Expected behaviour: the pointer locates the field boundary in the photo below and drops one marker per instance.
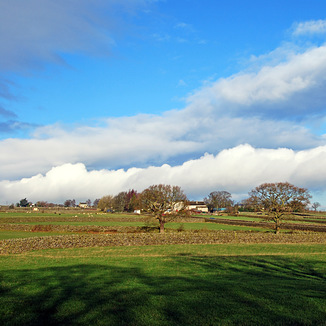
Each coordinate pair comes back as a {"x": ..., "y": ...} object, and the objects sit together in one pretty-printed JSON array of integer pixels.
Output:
[
  {"x": 284, "y": 225},
  {"x": 13, "y": 246}
]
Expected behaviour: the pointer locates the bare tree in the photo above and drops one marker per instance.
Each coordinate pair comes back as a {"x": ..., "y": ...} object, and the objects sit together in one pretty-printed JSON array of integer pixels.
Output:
[
  {"x": 126, "y": 201},
  {"x": 132, "y": 200},
  {"x": 119, "y": 201},
  {"x": 218, "y": 199},
  {"x": 105, "y": 203},
  {"x": 315, "y": 205},
  {"x": 70, "y": 203},
  {"x": 95, "y": 202},
  {"x": 164, "y": 201},
  {"x": 279, "y": 199},
  {"x": 41, "y": 203}
]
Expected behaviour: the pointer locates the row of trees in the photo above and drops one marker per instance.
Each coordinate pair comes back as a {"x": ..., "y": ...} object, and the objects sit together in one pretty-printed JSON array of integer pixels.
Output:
[
  {"x": 67, "y": 203},
  {"x": 166, "y": 201},
  {"x": 125, "y": 201},
  {"x": 276, "y": 199}
]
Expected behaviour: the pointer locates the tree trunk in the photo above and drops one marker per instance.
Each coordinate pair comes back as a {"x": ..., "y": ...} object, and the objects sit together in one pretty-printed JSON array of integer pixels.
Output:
[
  {"x": 161, "y": 227},
  {"x": 277, "y": 226}
]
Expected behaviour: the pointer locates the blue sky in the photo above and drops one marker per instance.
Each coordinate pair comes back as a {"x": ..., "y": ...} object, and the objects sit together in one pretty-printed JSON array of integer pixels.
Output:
[{"x": 209, "y": 95}]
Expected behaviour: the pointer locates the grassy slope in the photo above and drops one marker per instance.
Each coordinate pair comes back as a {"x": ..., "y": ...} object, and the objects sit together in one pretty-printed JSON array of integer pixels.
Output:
[
  {"x": 24, "y": 234},
  {"x": 35, "y": 218},
  {"x": 257, "y": 284},
  {"x": 7, "y": 234},
  {"x": 288, "y": 219},
  {"x": 62, "y": 214}
]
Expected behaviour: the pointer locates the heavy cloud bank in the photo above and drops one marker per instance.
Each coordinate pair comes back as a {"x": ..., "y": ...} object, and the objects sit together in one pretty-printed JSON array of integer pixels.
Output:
[
  {"x": 280, "y": 105},
  {"x": 237, "y": 170}
]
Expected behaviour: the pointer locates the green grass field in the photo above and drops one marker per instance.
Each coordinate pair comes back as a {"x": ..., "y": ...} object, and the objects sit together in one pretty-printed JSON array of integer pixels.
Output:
[
  {"x": 220, "y": 284},
  {"x": 101, "y": 220},
  {"x": 7, "y": 234},
  {"x": 256, "y": 284},
  {"x": 29, "y": 213},
  {"x": 258, "y": 218}
]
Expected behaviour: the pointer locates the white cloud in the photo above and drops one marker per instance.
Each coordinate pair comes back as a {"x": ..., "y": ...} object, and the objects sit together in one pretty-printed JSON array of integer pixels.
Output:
[
  {"x": 294, "y": 87},
  {"x": 143, "y": 140},
  {"x": 262, "y": 108},
  {"x": 310, "y": 27},
  {"x": 39, "y": 31},
  {"x": 237, "y": 170},
  {"x": 182, "y": 83},
  {"x": 183, "y": 25},
  {"x": 35, "y": 33}
]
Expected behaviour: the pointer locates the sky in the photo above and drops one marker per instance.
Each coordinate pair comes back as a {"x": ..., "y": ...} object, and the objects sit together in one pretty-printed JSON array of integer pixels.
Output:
[{"x": 103, "y": 96}]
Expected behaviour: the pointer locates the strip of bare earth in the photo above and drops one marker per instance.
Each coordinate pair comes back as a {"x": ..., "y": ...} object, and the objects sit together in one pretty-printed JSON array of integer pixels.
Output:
[
  {"x": 12, "y": 246},
  {"x": 287, "y": 226}
]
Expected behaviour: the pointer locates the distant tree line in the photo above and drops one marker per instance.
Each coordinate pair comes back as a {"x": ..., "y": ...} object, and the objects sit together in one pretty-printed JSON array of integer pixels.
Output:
[{"x": 166, "y": 202}]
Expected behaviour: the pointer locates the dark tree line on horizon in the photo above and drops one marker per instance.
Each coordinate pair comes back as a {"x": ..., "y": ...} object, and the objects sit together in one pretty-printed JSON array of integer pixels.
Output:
[{"x": 166, "y": 201}]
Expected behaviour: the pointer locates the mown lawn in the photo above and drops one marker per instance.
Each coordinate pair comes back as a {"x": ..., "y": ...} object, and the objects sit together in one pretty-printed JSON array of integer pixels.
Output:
[{"x": 256, "y": 284}]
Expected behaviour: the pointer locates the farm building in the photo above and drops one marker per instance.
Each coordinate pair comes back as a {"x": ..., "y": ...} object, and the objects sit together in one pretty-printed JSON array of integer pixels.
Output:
[
  {"x": 83, "y": 205},
  {"x": 199, "y": 206}
]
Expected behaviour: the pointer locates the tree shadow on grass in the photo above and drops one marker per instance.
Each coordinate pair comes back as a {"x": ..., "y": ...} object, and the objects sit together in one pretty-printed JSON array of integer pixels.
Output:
[{"x": 181, "y": 290}]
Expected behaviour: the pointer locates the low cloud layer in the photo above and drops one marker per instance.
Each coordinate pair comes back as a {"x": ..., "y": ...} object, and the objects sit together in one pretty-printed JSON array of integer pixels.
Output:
[
  {"x": 145, "y": 140},
  {"x": 237, "y": 170}
]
